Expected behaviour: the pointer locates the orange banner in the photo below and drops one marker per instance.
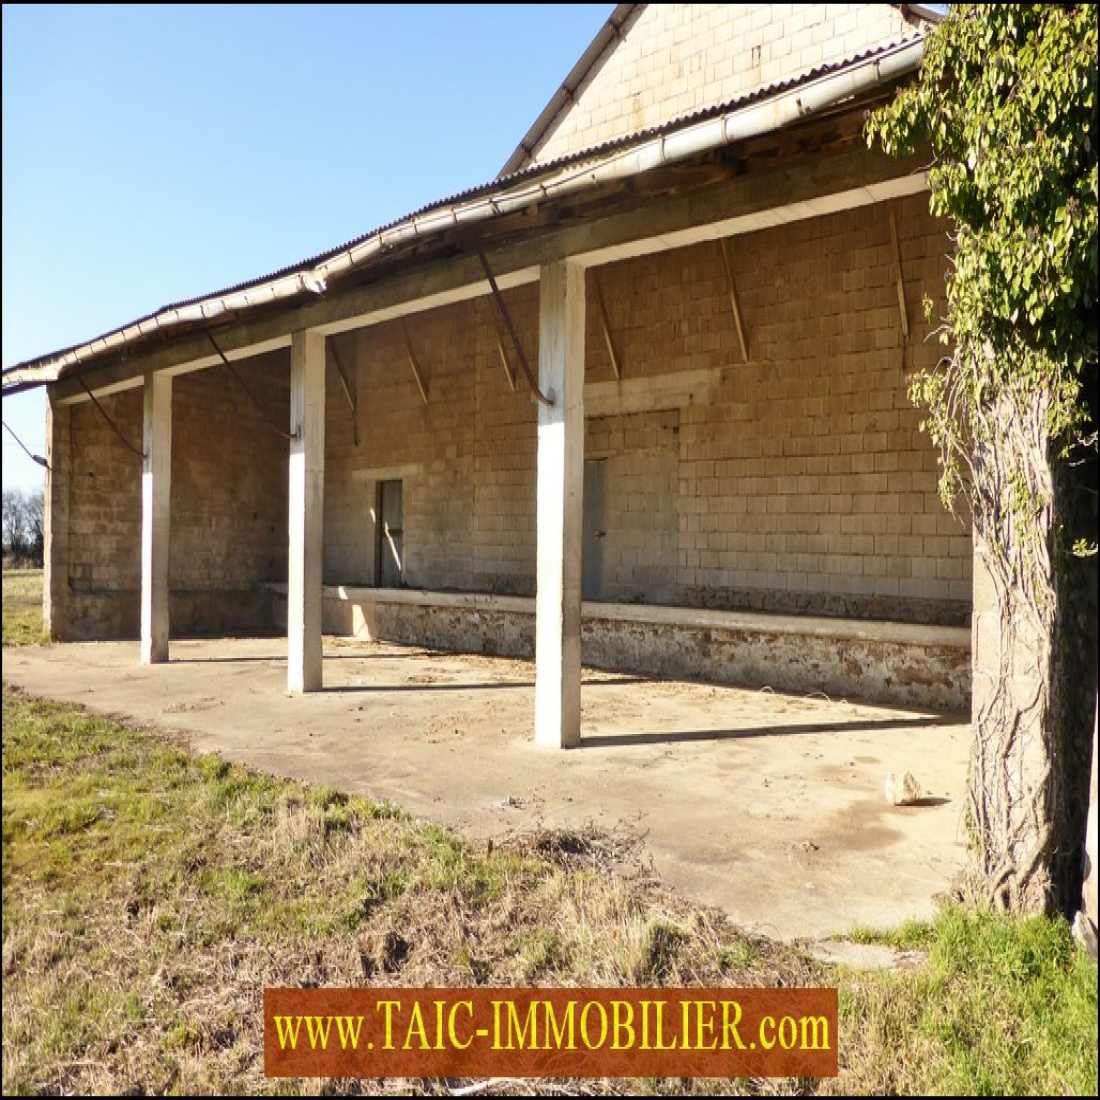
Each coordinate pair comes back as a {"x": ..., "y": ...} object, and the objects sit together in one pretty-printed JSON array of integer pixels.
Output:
[{"x": 550, "y": 1032}]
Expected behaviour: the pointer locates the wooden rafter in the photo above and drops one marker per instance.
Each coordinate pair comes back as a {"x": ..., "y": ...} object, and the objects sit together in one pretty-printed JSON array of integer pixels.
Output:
[
  {"x": 348, "y": 392},
  {"x": 413, "y": 363},
  {"x": 612, "y": 353},
  {"x": 725, "y": 248},
  {"x": 902, "y": 308}
]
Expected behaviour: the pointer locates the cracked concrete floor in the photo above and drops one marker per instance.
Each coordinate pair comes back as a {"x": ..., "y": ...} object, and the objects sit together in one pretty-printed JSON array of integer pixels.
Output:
[{"x": 768, "y": 806}]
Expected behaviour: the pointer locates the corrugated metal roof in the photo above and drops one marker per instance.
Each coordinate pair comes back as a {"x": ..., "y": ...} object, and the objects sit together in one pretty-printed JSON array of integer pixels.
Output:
[
  {"x": 500, "y": 184},
  {"x": 607, "y": 36}
]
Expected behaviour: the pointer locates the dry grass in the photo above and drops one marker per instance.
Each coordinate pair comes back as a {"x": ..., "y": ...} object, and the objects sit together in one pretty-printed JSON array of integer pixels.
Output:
[{"x": 150, "y": 895}]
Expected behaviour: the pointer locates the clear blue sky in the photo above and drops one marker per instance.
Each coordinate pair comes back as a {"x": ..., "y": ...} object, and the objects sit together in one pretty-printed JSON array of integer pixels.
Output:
[{"x": 156, "y": 153}]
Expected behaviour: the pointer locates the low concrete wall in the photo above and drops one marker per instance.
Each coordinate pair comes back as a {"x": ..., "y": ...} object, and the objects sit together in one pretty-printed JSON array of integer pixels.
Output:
[
  {"x": 98, "y": 615},
  {"x": 881, "y": 662}
]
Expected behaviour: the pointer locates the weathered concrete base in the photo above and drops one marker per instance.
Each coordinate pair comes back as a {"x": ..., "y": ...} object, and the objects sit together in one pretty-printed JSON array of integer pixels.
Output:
[
  {"x": 111, "y": 616},
  {"x": 891, "y": 663}
]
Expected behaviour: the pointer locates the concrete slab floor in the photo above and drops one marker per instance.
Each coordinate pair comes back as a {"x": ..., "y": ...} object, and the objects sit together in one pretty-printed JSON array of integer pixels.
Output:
[{"x": 768, "y": 806}]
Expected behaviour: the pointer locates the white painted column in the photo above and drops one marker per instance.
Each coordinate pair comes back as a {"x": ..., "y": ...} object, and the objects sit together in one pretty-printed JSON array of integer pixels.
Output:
[
  {"x": 55, "y": 588},
  {"x": 156, "y": 498},
  {"x": 306, "y": 507},
  {"x": 560, "y": 503}
]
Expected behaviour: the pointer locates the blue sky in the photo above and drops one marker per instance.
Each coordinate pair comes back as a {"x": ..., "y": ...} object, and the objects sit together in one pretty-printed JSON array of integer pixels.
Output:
[{"x": 156, "y": 153}]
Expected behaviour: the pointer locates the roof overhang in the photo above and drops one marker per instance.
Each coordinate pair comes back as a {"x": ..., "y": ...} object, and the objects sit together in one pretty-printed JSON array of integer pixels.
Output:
[{"x": 477, "y": 210}]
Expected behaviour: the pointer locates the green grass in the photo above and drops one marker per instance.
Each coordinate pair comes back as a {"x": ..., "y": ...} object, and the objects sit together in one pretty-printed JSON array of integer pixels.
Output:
[
  {"x": 23, "y": 608},
  {"x": 1003, "y": 1007}
]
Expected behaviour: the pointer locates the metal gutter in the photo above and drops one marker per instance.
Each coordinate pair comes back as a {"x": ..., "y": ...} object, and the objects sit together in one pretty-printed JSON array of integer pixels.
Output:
[{"x": 662, "y": 148}]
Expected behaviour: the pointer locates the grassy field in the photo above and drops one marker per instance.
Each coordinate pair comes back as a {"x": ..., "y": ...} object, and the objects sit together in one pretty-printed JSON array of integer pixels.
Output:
[
  {"x": 150, "y": 894},
  {"x": 23, "y": 608}
]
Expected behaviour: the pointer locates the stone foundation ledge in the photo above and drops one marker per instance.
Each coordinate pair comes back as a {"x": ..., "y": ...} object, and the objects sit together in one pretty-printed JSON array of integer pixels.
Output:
[{"x": 897, "y": 664}]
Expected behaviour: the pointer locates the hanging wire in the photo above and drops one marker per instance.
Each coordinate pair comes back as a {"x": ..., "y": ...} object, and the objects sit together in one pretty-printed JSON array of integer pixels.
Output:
[
  {"x": 251, "y": 396},
  {"x": 103, "y": 413},
  {"x": 34, "y": 458}
]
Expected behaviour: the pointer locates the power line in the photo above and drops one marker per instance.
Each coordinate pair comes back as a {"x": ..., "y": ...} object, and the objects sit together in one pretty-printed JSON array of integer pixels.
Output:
[{"x": 34, "y": 458}]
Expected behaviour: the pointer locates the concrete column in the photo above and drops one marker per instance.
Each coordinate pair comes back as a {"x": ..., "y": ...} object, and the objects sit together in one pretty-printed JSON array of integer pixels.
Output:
[
  {"x": 560, "y": 502},
  {"x": 156, "y": 496},
  {"x": 306, "y": 506},
  {"x": 55, "y": 590}
]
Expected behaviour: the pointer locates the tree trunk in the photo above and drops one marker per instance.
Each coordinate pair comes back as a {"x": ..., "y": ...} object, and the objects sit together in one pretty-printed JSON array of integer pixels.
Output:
[
  {"x": 1035, "y": 649},
  {"x": 1089, "y": 898}
]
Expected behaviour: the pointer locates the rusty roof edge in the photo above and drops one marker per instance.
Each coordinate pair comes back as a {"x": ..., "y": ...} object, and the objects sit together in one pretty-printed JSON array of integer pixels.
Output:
[{"x": 743, "y": 117}]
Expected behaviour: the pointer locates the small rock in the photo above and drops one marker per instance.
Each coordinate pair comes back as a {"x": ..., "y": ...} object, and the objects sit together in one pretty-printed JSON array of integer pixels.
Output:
[{"x": 902, "y": 789}]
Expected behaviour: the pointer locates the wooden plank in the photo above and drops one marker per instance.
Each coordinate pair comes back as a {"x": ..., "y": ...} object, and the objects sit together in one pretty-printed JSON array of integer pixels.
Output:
[
  {"x": 724, "y": 243},
  {"x": 902, "y": 308},
  {"x": 502, "y": 309},
  {"x": 413, "y": 363},
  {"x": 504, "y": 361},
  {"x": 347, "y": 391},
  {"x": 606, "y": 326}
]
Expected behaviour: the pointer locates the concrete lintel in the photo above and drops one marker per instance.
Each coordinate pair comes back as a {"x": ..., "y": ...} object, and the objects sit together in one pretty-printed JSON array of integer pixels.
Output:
[
  {"x": 306, "y": 510},
  {"x": 560, "y": 502},
  {"x": 838, "y": 182},
  {"x": 156, "y": 502},
  {"x": 64, "y": 395},
  {"x": 387, "y": 473}
]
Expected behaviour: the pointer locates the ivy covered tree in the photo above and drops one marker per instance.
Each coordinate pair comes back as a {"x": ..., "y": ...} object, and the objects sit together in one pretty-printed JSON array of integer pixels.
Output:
[{"x": 1006, "y": 102}]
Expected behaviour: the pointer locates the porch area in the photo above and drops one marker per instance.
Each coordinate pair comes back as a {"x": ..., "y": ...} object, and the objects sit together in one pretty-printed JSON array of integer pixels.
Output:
[{"x": 769, "y": 806}]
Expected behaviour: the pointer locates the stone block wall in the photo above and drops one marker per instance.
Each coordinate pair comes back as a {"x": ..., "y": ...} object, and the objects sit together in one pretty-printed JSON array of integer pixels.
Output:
[
  {"x": 798, "y": 481},
  {"x": 229, "y": 519}
]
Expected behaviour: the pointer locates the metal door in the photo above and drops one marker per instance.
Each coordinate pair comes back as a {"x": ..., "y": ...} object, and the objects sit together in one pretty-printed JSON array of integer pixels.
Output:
[
  {"x": 592, "y": 529},
  {"x": 391, "y": 549}
]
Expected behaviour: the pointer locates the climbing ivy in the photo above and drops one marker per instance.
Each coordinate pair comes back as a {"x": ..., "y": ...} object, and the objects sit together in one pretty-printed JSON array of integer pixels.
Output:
[
  {"x": 1006, "y": 103},
  {"x": 1007, "y": 100}
]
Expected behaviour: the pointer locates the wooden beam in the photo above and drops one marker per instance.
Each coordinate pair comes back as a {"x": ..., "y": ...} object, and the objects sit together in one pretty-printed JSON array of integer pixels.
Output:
[
  {"x": 612, "y": 354},
  {"x": 504, "y": 360},
  {"x": 502, "y": 309},
  {"x": 902, "y": 308},
  {"x": 347, "y": 391},
  {"x": 724, "y": 244},
  {"x": 413, "y": 363}
]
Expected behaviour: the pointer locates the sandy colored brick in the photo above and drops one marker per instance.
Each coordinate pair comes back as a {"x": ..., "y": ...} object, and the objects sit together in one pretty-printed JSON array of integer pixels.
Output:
[{"x": 640, "y": 79}]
